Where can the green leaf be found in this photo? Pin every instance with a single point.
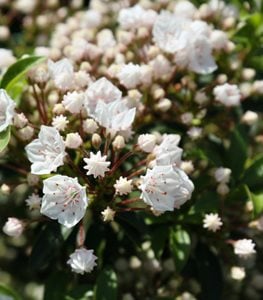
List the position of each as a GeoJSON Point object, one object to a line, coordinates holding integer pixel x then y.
{"type": "Point", "coordinates": [253, 176]}
{"type": "Point", "coordinates": [209, 273]}
{"type": "Point", "coordinates": [180, 244]}
{"type": "Point", "coordinates": [106, 286]}
{"type": "Point", "coordinates": [236, 154]}
{"type": "Point", "coordinates": [15, 73]}
{"type": "Point", "coordinates": [81, 292]}
{"type": "Point", "coordinates": [257, 200]}
{"type": "Point", "coordinates": [46, 246]}
{"type": "Point", "coordinates": [159, 236]}
{"type": "Point", "coordinates": [56, 285]}
{"type": "Point", "coordinates": [4, 138]}
{"type": "Point", "coordinates": [7, 291]}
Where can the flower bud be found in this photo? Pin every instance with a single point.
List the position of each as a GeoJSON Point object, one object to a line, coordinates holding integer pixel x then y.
{"type": "Point", "coordinates": [118, 143]}
{"type": "Point", "coordinates": [108, 214]}
{"type": "Point", "coordinates": [164, 105]}
{"type": "Point", "coordinates": [90, 126]}
{"type": "Point", "coordinates": [248, 73]}
{"type": "Point", "coordinates": [20, 120]}
{"type": "Point", "coordinates": [73, 140]}
{"type": "Point", "coordinates": [146, 142]}
{"type": "Point", "coordinates": [5, 189]}
{"type": "Point", "coordinates": [96, 140]}
{"type": "Point", "coordinates": [222, 189]}
{"type": "Point", "coordinates": [13, 227]}
{"type": "Point", "coordinates": [4, 33]}
{"type": "Point", "coordinates": [58, 109]}
{"type": "Point", "coordinates": [249, 118]}
{"type": "Point", "coordinates": [123, 186]}
{"type": "Point", "coordinates": [26, 133]}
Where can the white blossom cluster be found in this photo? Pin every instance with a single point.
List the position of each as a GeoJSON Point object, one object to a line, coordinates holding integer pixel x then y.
{"type": "Point", "coordinates": [99, 86]}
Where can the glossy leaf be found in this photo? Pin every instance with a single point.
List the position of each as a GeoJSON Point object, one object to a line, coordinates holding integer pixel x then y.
{"type": "Point", "coordinates": [106, 285]}
{"type": "Point", "coordinates": [180, 244]}
{"type": "Point", "coordinates": [18, 69]}
{"type": "Point", "coordinates": [4, 138]}
{"type": "Point", "coordinates": [8, 292]}
{"type": "Point", "coordinates": [236, 154]}
{"type": "Point", "coordinates": [253, 176]}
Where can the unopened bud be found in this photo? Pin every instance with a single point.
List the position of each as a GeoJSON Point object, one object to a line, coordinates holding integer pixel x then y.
{"type": "Point", "coordinates": [146, 142]}
{"type": "Point", "coordinates": [20, 120]}
{"type": "Point", "coordinates": [164, 105]}
{"type": "Point", "coordinates": [26, 133]}
{"type": "Point", "coordinates": [90, 126]}
{"type": "Point", "coordinates": [73, 140]}
{"type": "Point", "coordinates": [58, 109]}
{"type": "Point", "coordinates": [118, 143]}
{"type": "Point", "coordinates": [13, 227]}
{"type": "Point", "coordinates": [96, 140]}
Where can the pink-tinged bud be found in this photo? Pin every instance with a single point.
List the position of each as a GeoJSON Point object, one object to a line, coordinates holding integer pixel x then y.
{"type": "Point", "coordinates": [13, 227]}
{"type": "Point", "coordinates": [73, 140]}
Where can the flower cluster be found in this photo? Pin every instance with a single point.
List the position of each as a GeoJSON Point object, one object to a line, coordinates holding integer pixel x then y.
{"type": "Point", "coordinates": [137, 109]}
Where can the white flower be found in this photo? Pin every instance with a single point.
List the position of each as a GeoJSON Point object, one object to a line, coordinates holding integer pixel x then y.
{"type": "Point", "coordinates": [238, 273]}
{"type": "Point", "coordinates": [74, 102]}
{"type": "Point", "coordinates": [244, 248]}
{"type": "Point", "coordinates": [96, 164]}
{"type": "Point", "coordinates": [73, 140]}
{"type": "Point", "coordinates": [168, 153]}
{"type": "Point", "coordinates": [130, 75]}
{"type": "Point", "coordinates": [47, 152]}
{"type": "Point", "coordinates": [200, 56]}
{"type": "Point", "coordinates": [146, 142]}
{"type": "Point", "coordinates": [90, 126]}
{"type": "Point", "coordinates": [108, 214]}
{"type": "Point", "coordinates": [114, 116]}
{"type": "Point", "coordinates": [13, 227]}
{"type": "Point", "coordinates": [33, 201]}
{"type": "Point", "coordinates": [7, 58]}
{"type": "Point", "coordinates": [249, 117]}
{"type": "Point", "coordinates": [64, 200]}
{"type": "Point", "coordinates": [222, 174]}
{"type": "Point", "coordinates": [165, 188]}
{"type": "Point", "coordinates": [135, 17]}
{"type": "Point", "coordinates": [227, 94]}
{"type": "Point", "coordinates": [169, 32]}
{"type": "Point", "coordinates": [185, 9]}
{"type": "Point", "coordinates": [101, 90]}
{"type": "Point", "coordinates": [7, 110]}
{"type": "Point", "coordinates": [212, 222]}
{"type": "Point", "coordinates": [60, 122]}
{"type": "Point", "coordinates": [62, 73]}
{"type": "Point", "coordinates": [123, 186]}
{"type": "Point", "coordinates": [82, 260]}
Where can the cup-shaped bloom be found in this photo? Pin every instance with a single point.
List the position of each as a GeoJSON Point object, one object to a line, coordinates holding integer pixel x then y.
{"type": "Point", "coordinates": [114, 116]}
{"type": "Point", "coordinates": [47, 152]}
{"type": "Point", "coordinates": [165, 188]}
{"type": "Point", "coordinates": [64, 200]}
{"type": "Point", "coordinates": [7, 110]}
